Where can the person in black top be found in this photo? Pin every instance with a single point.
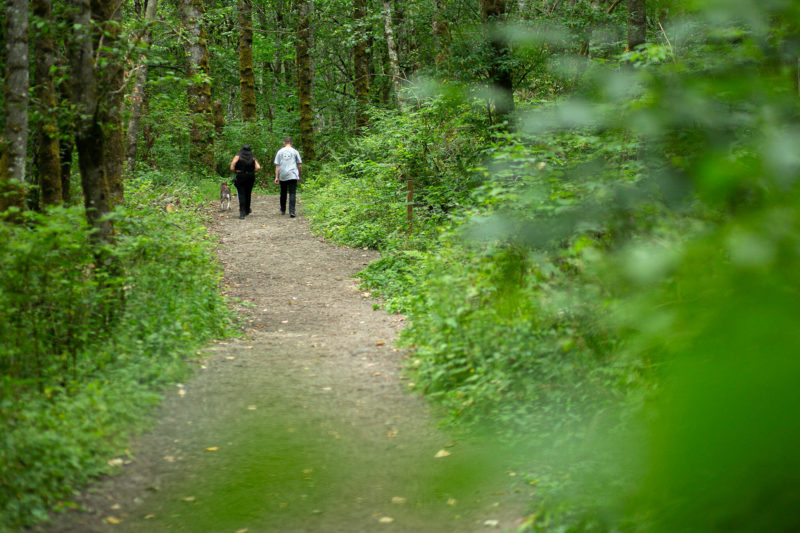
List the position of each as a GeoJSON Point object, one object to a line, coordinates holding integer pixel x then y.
{"type": "Point", "coordinates": [245, 166]}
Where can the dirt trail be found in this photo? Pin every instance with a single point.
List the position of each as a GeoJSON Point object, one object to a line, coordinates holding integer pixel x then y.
{"type": "Point", "coordinates": [304, 424]}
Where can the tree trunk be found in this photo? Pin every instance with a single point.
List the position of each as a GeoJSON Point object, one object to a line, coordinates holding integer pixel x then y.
{"type": "Point", "coordinates": [500, 81]}
{"type": "Point", "coordinates": [66, 143]}
{"type": "Point", "coordinates": [441, 33]}
{"type": "Point", "coordinates": [391, 46]}
{"type": "Point", "coordinates": [15, 135]}
{"type": "Point", "coordinates": [637, 23]}
{"type": "Point", "coordinates": [48, 158]}
{"type": "Point", "coordinates": [360, 63]}
{"type": "Point", "coordinates": [107, 14]}
{"type": "Point", "coordinates": [201, 151]}
{"type": "Point", "coordinates": [247, 80]}
{"type": "Point", "coordinates": [305, 77]}
{"type": "Point", "coordinates": [89, 137]}
{"type": "Point", "coordinates": [138, 93]}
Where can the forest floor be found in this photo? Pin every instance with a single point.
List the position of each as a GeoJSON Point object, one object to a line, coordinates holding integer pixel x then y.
{"type": "Point", "coordinates": [304, 423]}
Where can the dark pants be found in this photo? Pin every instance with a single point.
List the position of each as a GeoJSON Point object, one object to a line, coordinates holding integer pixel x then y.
{"type": "Point", "coordinates": [288, 186]}
{"type": "Point", "coordinates": [244, 190]}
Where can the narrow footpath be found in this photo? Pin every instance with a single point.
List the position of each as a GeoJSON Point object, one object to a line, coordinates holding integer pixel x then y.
{"type": "Point", "coordinates": [304, 424]}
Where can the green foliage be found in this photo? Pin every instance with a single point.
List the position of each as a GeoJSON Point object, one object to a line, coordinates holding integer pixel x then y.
{"type": "Point", "coordinates": [86, 347]}
{"type": "Point", "coordinates": [361, 199]}
{"type": "Point", "coordinates": [619, 294]}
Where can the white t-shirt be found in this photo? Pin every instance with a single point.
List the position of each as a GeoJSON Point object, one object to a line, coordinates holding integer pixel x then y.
{"type": "Point", "coordinates": [287, 160]}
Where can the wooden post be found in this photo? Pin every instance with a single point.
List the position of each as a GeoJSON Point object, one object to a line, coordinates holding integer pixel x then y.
{"type": "Point", "coordinates": [409, 203]}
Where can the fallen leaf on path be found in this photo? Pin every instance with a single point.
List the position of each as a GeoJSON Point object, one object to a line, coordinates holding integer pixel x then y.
{"type": "Point", "coordinates": [169, 458]}
{"type": "Point", "coordinates": [117, 461]}
{"type": "Point", "coordinates": [392, 433]}
{"type": "Point", "coordinates": [380, 343]}
{"type": "Point", "coordinates": [230, 358]}
{"type": "Point", "coordinates": [398, 500]}
{"type": "Point", "coordinates": [441, 453]}
{"type": "Point", "coordinates": [113, 520]}
{"type": "Point", "coordinates": [251, 407]}
{"type": "Point", "coordinates": [452, 502]}
{"type": "Point", "coordinates": [284, 321]}
{"type": "Point", "coordinates": [149, 517]}
{"type": "Point", "coordinates": [491, 523]}
{"type": "Point", "coordinates": [116, 507]}
{"type": "Point", "coordinates": [216, 448]}
{"type": "Point", "coordinates": [188, 499]}
{"type": "Point", "coordinates": [386, 520]}
{"type": "Point", "coordinates": [181, 392]}
{"type": "Point", "coordinates": [243, 530]}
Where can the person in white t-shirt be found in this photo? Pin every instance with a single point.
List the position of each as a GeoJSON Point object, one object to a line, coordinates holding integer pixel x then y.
{"type": "Point", "coordinates": [288, 165]}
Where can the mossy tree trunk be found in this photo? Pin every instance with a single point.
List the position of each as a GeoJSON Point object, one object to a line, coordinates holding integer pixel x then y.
{"type": "Point", "coordinates": [48, 159]}
{"type": "Point", "coordinates": [391, 46]}
{"type": "Point", "coordinates": [441, 33]}
{"type": "Point", "coordinates": [361, 62]}
{"type": "Point", "coordinates": [201, 136]}
{"type": "Point", "coordinates": [89, 136]}
{"type": "Point", "coordinates": [637, 23]}
{"type": "Point", "coordinates": [138, 93]}
{"type": "Point", "coordinates": [107, 15]}
{"type": "Point", "coordinates": [500, 79]}
{"type": "Point", "coordinates": [305, 78]}
{"type": "Point", "coordinates": [247, 80]}
{"type": "Point", "coordinates": [15, 135]}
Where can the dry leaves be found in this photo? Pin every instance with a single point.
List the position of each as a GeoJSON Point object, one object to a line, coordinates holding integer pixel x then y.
{"type": "Point", "coordinates": [212, 448]}
{"type": "Point", "coordinates": [442, 453]}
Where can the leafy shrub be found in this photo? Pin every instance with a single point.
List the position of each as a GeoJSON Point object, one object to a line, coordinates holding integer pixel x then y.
{"type": "Point", "coordinates": [87, 347]}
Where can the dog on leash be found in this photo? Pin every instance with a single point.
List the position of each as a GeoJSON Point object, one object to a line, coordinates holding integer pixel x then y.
{"type": "Point", "coordinates": [224, 197]}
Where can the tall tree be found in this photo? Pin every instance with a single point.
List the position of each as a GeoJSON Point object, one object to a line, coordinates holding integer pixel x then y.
{"type": "Point", "coordinates": [199, 89]}
{"type": "Point", "coordinates": [89, 136]}
{"type": "Point", "coordinates": [47, 158]}
{"type": "Point", "coordinates": [107, 16]}
{"type": "Point", "coordinates": [441, 33]}
{"type": "Point", "coordinates": [247, 80]}
{"type": "Point", "coordinates": [15, 135]}
{"type": "Point", "coordinates": [305, 77]}
{"type": "Point", "coordinates": [394, 62]}
{"type": "Point", "coordinates": [500, 80]}
{"type": "Point", "coordinates": [361, 62]}
{"type": "Point", "coordinates": [138, 93]}
{"type": "Point", "coordinates": [637, 23]}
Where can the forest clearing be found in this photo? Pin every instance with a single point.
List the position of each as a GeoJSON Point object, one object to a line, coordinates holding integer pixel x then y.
{"type": "Point", "coordinates": [542, 276]}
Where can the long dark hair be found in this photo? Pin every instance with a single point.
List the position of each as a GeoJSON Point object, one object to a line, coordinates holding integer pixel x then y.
{"type": "Point", "coordinates": [246, 154]}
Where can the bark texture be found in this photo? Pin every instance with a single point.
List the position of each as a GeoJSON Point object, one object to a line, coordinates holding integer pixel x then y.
{"type": "Point", "coordinates": [441, 33]}
{"type": "Point", "coordinates": [201, 138]}
{"type": "Point", "coordinates": [391, 46]}
{"type": "Point", "coordinates": [107, 15]}
{"type": "Point", "coordinates": [16, 93]}
{"type": "Point", "coordinates": [247, 80]}
{"type": "Point", "coordinates": [138, 93]}
{"type": "Point", "coordinates": [361, 62]}
{"type": "Point", "coordinates": [89, 138]}
{"type": "Point", "coordinates": [48, 159]}
{"type": "Point", "coordinates": [305, 77]}
{"type": "Point", "coordinates": [500, 80]}
{"type": "Point", "coordinates": [637, 23]}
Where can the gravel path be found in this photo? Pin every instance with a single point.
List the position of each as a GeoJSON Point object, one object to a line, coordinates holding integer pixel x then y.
{"type": "Point", "coordinates": [304, 424]}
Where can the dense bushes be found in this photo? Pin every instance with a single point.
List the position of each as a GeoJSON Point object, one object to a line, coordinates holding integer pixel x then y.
{"type": "Point", "coordinates": [85, 345]}
{"type": "Point", "coordinates": [616, 293]}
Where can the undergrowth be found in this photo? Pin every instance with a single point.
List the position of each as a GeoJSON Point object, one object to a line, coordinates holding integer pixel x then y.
{"type": "Point", "coordinates": [87, 346]}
